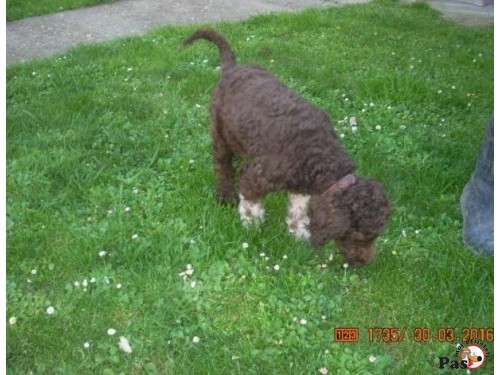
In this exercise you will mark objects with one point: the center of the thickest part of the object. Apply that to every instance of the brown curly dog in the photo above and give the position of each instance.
(293, 148)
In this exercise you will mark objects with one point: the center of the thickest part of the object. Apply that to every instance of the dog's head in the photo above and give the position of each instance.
(353, 214)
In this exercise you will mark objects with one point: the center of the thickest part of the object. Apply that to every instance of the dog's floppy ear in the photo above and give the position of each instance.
(329, 222)
(340, 223)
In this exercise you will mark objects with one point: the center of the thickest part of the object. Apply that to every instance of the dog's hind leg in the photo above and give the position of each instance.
(253, 188)
(257, 179)
(223, 161)
(251, 211)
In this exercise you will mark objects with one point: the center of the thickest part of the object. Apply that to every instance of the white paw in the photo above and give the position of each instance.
(250, 212)
(297, 218)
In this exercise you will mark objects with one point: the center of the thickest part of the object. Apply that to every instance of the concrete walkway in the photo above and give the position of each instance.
(43, 36)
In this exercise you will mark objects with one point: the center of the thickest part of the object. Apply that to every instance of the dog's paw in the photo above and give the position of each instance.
(251, 212)
(299, 228)
(229, 200)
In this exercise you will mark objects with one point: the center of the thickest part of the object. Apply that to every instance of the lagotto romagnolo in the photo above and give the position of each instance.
(291, 146)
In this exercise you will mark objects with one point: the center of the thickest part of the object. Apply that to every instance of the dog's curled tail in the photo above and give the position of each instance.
(227, 58)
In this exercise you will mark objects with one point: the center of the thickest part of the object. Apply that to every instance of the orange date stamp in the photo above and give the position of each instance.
(448, 334)
(416, 334)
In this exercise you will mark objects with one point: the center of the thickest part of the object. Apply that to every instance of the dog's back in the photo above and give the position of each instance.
(260, 114)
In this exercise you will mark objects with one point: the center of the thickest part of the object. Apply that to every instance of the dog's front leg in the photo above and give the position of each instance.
(297, 218)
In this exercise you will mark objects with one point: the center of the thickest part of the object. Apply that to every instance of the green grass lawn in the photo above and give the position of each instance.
(17, 9)
(112, 221)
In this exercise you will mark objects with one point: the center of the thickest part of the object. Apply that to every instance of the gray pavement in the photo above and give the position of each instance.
(43, 36)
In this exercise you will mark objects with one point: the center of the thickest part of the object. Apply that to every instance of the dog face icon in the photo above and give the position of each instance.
(473, 355)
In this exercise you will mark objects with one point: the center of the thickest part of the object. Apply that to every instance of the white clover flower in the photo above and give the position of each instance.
(86, 345)
(118, 286)
(323, 317)
(378, 127)
(127, 209)
(345, 265)
(323, 371)
(303, 322)
(193, 284)
(372, 358)
(285, 256)
(353, 121)
(354, 129)
(262, 255)
(196, 340)
(85, 283)
(124, 345)
(244, 245)
(135, 236)
(76, 284)
(92, 280)
(276, 267)
(51, 310)
(33, 271)
(197, 105)
(188, 272)
(102, 253)
(111, 332)
(12, 320)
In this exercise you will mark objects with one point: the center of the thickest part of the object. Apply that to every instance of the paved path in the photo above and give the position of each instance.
(43, 36)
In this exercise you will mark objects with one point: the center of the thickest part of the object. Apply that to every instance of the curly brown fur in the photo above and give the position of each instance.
(354, 218)
(292, 147)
